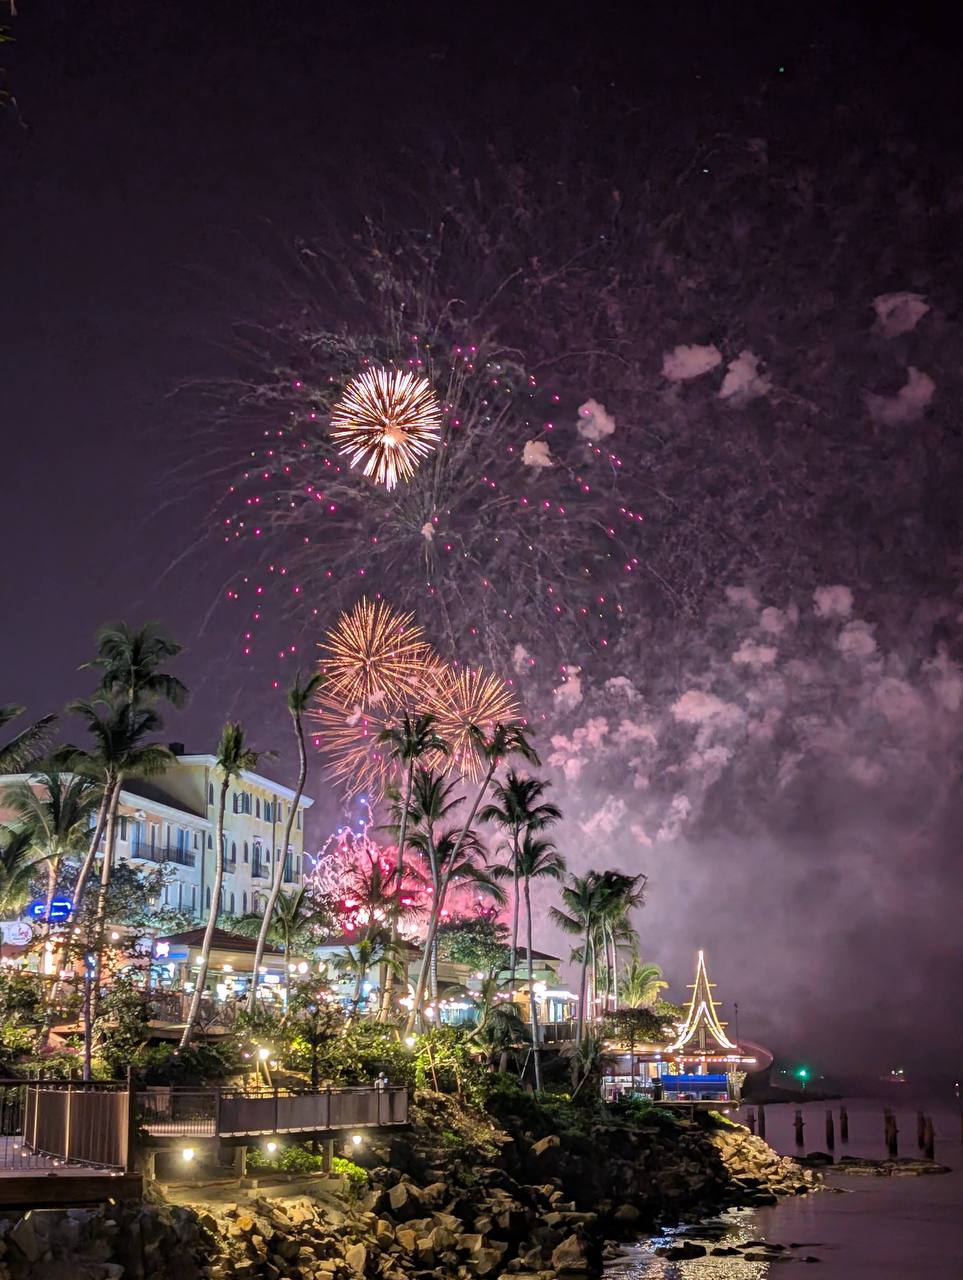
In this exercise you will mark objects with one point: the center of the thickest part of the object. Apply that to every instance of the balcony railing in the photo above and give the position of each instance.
(260, 871)
(162, 853)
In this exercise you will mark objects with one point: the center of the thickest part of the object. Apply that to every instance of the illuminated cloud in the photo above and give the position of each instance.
(537, 454)
(898, 313)
(833, 602)
(908, 405)
(744, 381)
(593, 422)
(685, 362)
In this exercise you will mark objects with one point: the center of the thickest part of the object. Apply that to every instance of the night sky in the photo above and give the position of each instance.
(774, 737)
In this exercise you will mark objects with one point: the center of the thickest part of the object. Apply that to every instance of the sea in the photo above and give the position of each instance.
(862, 1228)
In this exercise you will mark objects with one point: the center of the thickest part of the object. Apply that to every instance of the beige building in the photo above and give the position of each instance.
(171, 820)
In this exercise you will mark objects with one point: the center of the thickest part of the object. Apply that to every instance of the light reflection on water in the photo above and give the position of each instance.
(872, 1229)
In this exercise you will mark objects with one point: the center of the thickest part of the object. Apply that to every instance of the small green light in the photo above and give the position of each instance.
(802, 1073)
(782, 70)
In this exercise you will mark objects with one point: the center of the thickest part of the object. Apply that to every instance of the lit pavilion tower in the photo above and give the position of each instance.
(702, 1035)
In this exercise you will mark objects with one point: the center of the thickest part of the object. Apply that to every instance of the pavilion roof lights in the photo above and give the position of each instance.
(701, 1031)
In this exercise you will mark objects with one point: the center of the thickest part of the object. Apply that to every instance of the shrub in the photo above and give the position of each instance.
(297, 1159)
(198, 1064)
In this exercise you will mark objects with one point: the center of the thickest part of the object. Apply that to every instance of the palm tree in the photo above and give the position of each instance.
(18, 867)
(358, 960)
(641, 984)
(622, 894)
(432, 800)
(27, 745)
(583, 898)
(292, 912)
(460, 858)
(55, 809)
(234, 757)
(299, 695)
(129, 658)
(407, 742)
(538, 859)
(516, 808)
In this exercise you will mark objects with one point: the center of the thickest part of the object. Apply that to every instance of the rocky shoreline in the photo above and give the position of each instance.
(457, 1196)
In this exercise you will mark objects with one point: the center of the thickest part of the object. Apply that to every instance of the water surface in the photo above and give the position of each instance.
(879, 1228)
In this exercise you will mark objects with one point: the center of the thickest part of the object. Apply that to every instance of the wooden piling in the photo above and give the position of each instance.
(929, 1140)
(830, 1131)
(799, 1124)
(920, 1130)
(890, 1133)
(751, 1120)
(843, 1125)
(762, 1121)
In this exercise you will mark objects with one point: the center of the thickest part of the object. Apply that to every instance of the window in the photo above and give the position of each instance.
(233, 852)
(299, 819)
(247, 802)
(257, 805)
(154, 836)
(244, 903)
(220, 902)
(210, 841)
(194, 897)
(195, 839)
(245, 851)
(122, 823)
(279, 808)
(208, 897)
(234, 801)
(232, 904)
(210, 793)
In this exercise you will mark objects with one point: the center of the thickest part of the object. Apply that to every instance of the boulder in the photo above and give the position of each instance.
(570, 1255)
(484, 1262)
(627, 1216)
(356, 1256)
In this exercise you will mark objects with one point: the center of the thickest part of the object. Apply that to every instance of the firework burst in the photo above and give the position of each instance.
(374, 656)
(386, 422)
(462, 700)
(348, 738)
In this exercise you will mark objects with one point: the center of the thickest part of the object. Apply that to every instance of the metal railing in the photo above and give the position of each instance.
(556, 1032)
(87, 1124)
(173, 1006)
(235, 1113)
(161, 853)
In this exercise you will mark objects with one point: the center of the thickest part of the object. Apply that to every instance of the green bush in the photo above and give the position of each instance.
(362, 1052)
(199, 1064)
(296, 1159)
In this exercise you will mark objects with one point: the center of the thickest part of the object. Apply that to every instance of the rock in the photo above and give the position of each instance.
(356, 1256)
(407, 1239)
(384, 1233)
(627, 1216)
(570, 1255)
(485, 1261)
(685, 1249)
(403, 1201)
(24, 1237)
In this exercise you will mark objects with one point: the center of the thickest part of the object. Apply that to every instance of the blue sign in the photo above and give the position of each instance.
(60, 909)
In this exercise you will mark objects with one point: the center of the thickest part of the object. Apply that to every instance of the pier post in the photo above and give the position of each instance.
(843, 1125)
(751, 1120)
(762, 1121)
(920, 1130)
(799, 1124)
(891, 1133)
(830, 1131)
(929, 1142)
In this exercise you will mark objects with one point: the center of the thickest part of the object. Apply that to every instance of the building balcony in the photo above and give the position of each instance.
(260, 871)
(161, 853)
(230, 866)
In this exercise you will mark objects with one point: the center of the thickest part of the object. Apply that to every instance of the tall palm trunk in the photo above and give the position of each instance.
(205, 956)
(95, 943)
(279, 863)
(387, 992)
(583, 985)
(513, 959)
(433, 922)
(615, 974)
(532, 1002)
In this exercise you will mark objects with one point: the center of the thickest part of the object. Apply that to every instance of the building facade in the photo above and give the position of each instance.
(171, 821)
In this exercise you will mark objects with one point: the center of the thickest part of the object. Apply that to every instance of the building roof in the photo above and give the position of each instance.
(352, 939)
(255, 779)
(536, 955)
(137, 789)
(221, 940)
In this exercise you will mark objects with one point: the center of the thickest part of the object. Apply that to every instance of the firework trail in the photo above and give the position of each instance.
(510, 540)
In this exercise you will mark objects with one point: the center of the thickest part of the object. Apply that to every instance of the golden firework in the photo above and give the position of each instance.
(467, 699)
(374, 657)
(348, 738)
(386, 422)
